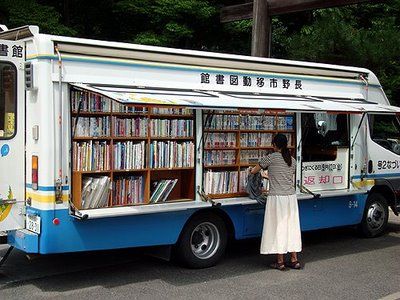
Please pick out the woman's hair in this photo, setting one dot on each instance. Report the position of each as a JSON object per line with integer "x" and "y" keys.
{"x": 280, "y": 141}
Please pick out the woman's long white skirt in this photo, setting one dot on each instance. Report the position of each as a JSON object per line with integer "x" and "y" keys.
{"x": 281, "y": 232}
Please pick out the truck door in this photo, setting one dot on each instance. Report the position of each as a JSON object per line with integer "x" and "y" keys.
{"x": 12, "y": 135}
{"x": 384, "y": 153}
{"x": 325, "y": 151}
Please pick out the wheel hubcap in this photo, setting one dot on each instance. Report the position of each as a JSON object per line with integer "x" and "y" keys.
{"x": 205, "y": 240}
{"x": 376, "y": 216}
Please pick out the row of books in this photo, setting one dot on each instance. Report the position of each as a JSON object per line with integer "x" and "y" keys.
{"x": 262, "y": 122}
{"x": 172, "y": 111}
{"x": 95, "y": 191}
{"x": 91, "y": 127}
{"x": 171, "y": 154}
{"x": 171, "y": 128}
{"x": 223, "y": 122}
{"x": 213, "y": 157}
{"x": 162, "y": 189}
{"x": 255, "y": 139}
{"x": 129, "y": 155}
{"x": 121, "y": 108}
{"x": 91, "y": 156}
{"x": 128, "y": 190}
{"x": 220, "y": 140}
{"x": 89, "y": 102}
{"x": 249, "y": 156}
{"x": 285, "y": 123}
{"x": 136, "y": 127}
{"x": 252, "y": 156}
{"x": 220, "y": 182}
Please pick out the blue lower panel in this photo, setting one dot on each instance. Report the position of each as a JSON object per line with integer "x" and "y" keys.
{"x": 73, "y": 235}
{"x": 314, "y": 214}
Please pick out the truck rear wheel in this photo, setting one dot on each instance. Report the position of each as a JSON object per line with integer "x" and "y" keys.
{"x": 202, "y": 242}
{"x": 376, "y": 215}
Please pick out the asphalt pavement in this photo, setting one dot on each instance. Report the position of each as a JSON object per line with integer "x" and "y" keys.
{"x": 338, "y": 265}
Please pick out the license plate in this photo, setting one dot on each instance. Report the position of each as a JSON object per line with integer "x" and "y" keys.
{"x": 33, "y": 223}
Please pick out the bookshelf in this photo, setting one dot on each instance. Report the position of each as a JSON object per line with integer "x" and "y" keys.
{"x": 131, "y": 149}
{"x": 235, "y": 141}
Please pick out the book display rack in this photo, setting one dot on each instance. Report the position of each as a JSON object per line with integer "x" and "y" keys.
{"x": 235, "y": 141}
{"x": 130, "y": 155}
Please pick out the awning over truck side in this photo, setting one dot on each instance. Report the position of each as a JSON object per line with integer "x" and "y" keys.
{"x": 226, "y": 100}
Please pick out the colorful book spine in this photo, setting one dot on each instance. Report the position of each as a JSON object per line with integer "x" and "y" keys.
{"x": 173, "y": 111}
{"x": 171, "y": 128}
{"x": 249, "y": 156}
{"x": 130, "y": 127}
{"x": 262, "y": 122}
{"x": 256, "y": 139}
{"x": 91, "y": 127}
{"x": 129, "y": 155}
{"x": 121, "y": 108}
{"x": 285, "y": 123}
{"x": 220, "y": 140}
{"x": 171, "y": 154}
{"x": 91, "y": 156}
{"x": 225, "y": 122}
{"x": 220, "y": 182}
{"x": 128, "y": 190}
{"x": 89, "y": 102}
{"x": 214, "y": 157}
{"x": 162, "y": 190}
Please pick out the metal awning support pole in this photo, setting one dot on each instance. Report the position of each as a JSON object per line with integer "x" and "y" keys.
{"x": 59, "y": 138}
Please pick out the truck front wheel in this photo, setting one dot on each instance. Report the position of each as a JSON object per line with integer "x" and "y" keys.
{"x": 202, "y": 242}
{"x": 376, "y": 215}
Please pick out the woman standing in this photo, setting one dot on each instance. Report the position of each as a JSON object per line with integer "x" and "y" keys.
{"x": 281, "y": 232}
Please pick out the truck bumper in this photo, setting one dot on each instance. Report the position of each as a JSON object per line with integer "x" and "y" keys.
{"x": 24, "y": 240}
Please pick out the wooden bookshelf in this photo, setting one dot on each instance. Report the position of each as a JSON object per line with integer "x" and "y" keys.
{"x": 236, "y": 124}
{"x": 183, "y": 189}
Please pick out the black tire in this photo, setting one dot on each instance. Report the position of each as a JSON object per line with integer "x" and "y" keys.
{"x": 375, "y": 217}
{"x": 208, "y": 233}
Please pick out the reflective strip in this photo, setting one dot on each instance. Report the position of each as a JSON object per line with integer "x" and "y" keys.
{"x": 45, "y": 198}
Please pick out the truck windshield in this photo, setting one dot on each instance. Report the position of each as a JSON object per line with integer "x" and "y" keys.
{"x": 7, "y": 100}
{"x": 385, "y": 131}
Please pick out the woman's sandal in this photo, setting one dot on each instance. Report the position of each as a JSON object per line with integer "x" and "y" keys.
{"x": 296, "y": 265}
{"x": 279, "y": 266}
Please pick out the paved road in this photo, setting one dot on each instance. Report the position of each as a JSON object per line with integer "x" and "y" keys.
{"x": 338, "y": 265}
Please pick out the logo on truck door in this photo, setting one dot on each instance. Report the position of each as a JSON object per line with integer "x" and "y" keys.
{"x": 6, "y": 208}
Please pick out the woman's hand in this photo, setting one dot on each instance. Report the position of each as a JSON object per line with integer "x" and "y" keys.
{"x": 256, "y": 169}
{"x": 264, "y": 174}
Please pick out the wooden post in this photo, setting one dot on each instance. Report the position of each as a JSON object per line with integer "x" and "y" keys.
{"x": 261, "y": 32}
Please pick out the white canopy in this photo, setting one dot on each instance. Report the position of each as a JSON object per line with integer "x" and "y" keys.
{"x": 227, "y": 100}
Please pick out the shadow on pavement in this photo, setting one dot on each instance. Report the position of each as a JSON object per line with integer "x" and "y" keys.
{"x": 66, "y": 272}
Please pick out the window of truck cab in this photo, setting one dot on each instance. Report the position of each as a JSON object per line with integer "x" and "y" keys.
{"x": 8, "y": 100}
{"x": 385, "y": 131}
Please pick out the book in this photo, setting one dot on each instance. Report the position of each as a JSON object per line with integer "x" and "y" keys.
{"x": 162, "y": 189}
{"x": 95, "y": 191}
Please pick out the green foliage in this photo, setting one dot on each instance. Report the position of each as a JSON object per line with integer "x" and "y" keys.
{"x": 29, "y": 12}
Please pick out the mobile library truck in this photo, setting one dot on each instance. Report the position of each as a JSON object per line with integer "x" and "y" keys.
{"x": 110, "y": 145}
